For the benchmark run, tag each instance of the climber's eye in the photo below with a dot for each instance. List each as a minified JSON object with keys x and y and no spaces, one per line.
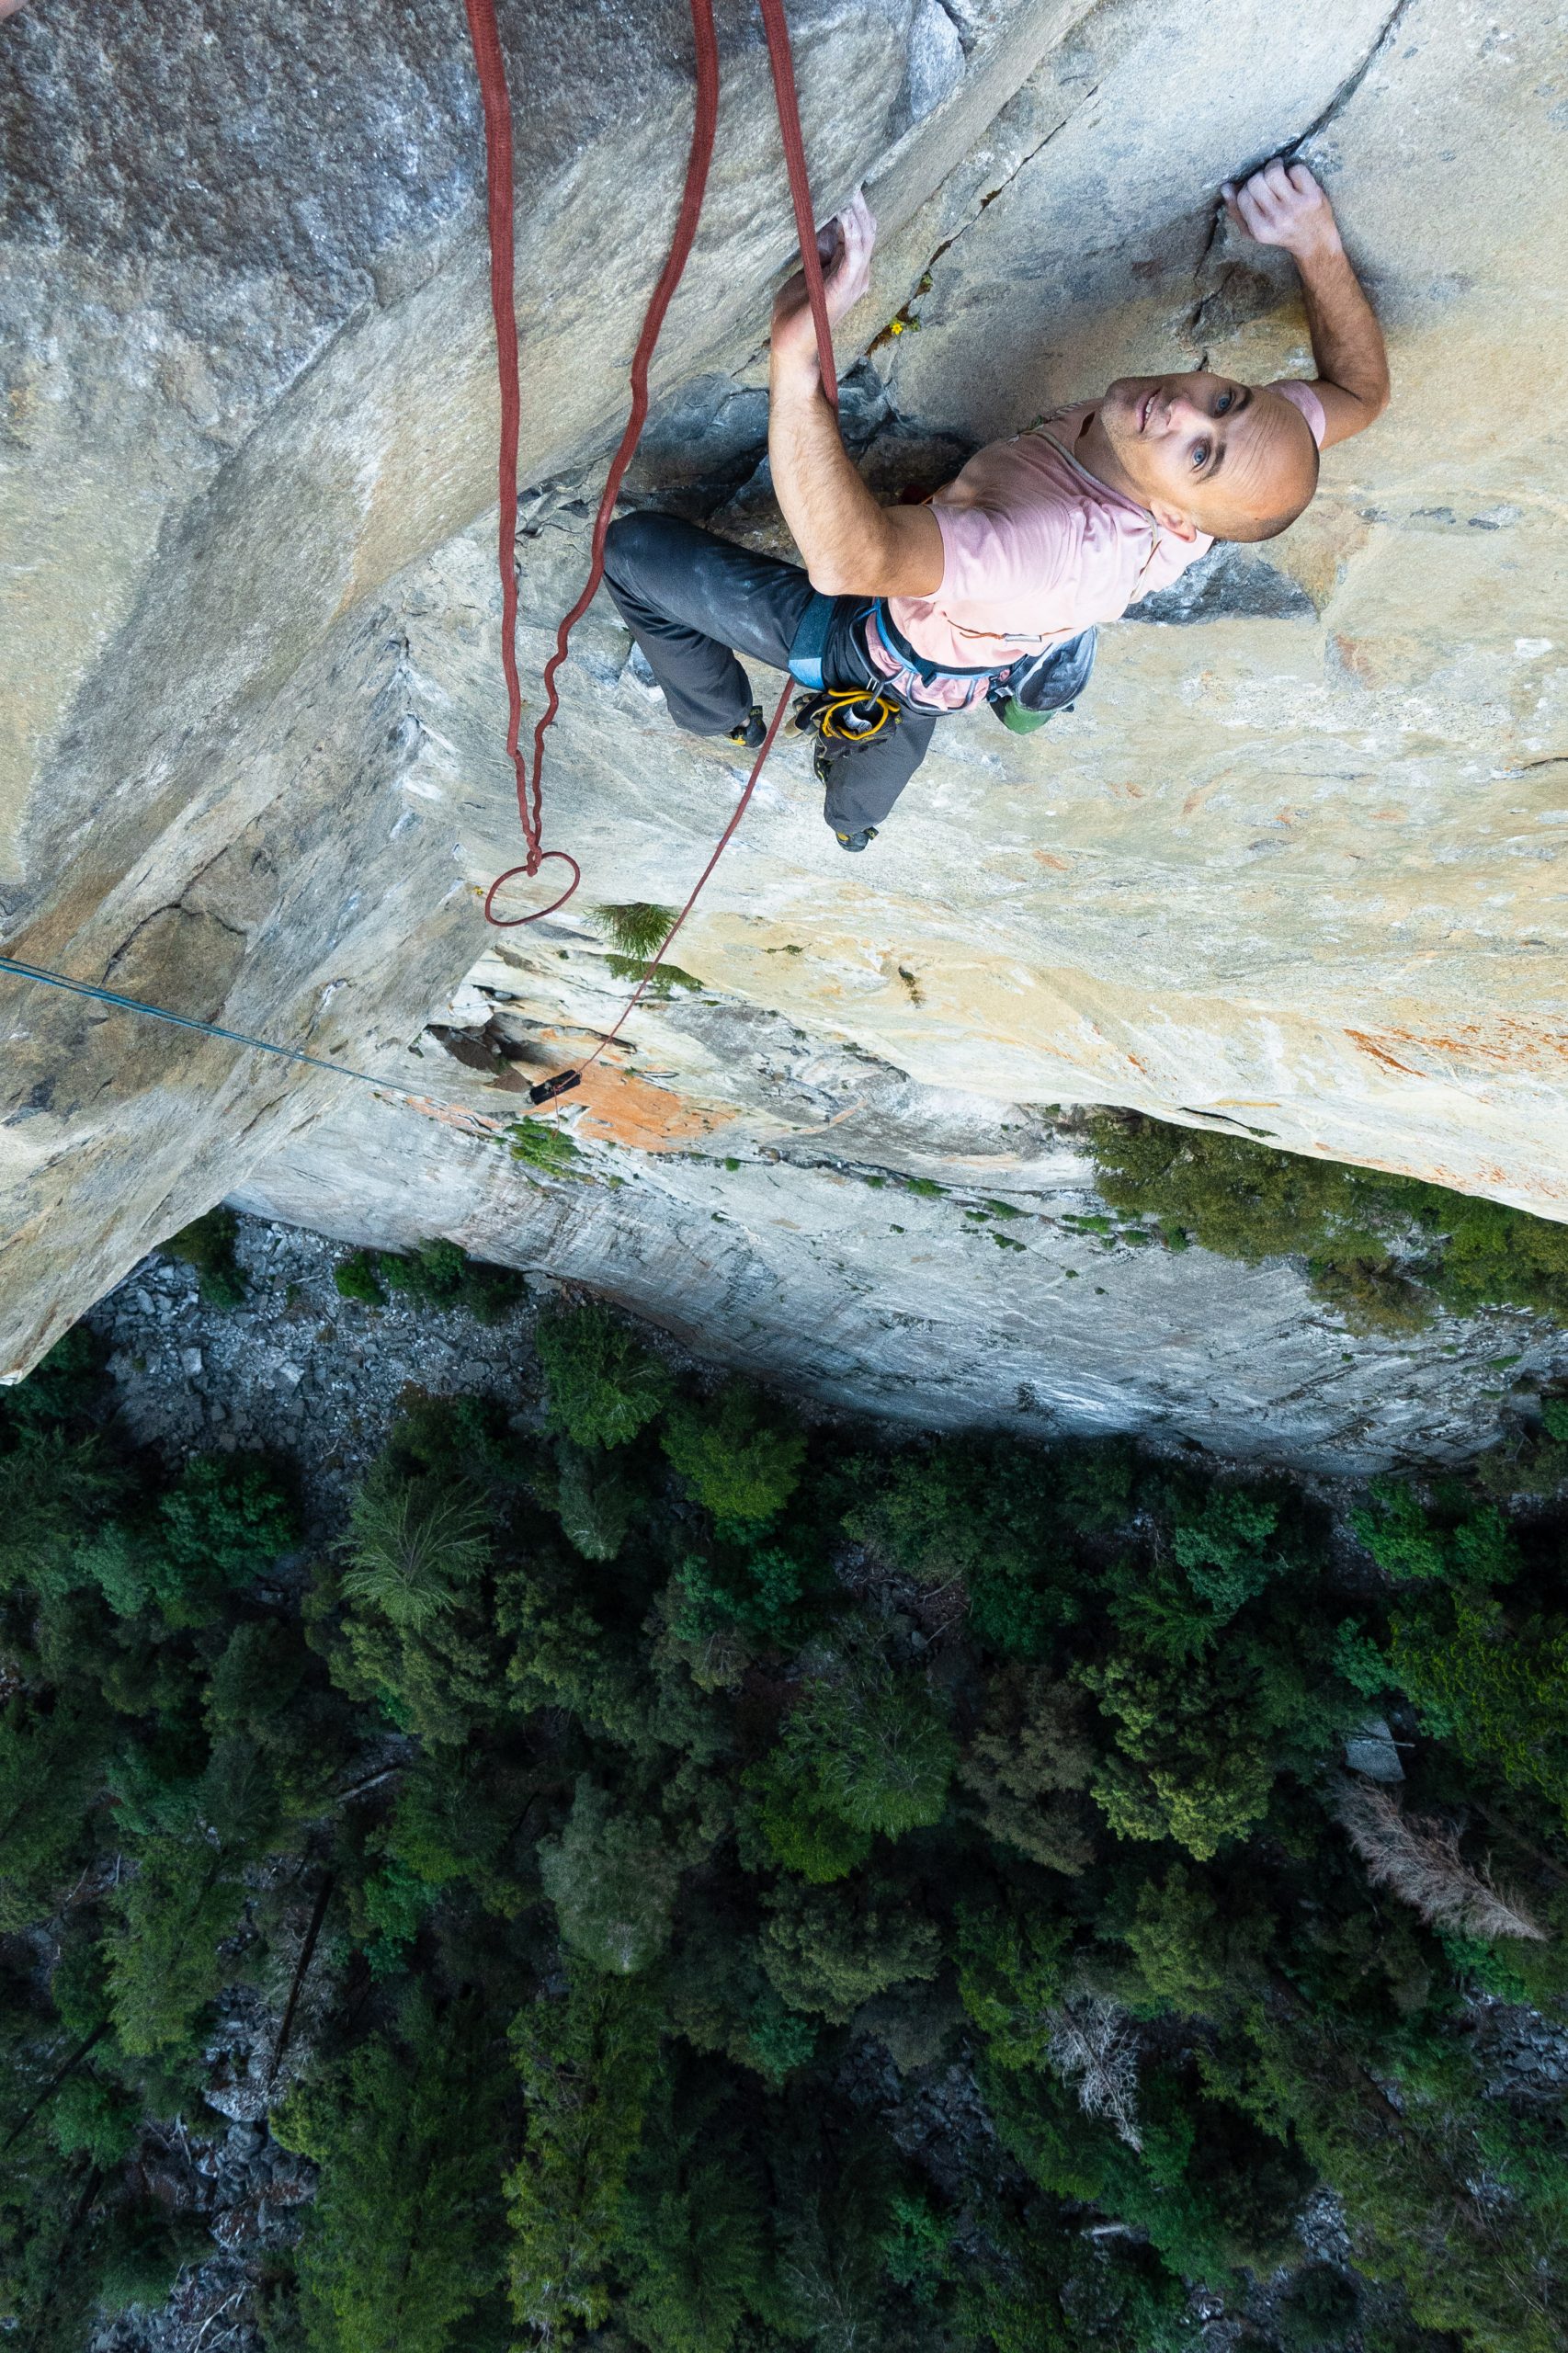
{"x":1200,"y":451}
{"x":1225,"y":401}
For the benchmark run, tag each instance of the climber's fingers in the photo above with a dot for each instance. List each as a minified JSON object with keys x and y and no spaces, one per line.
{"x":9,"y":7}
{"x":844,"y":248}
{"x":851,"y":272}
{"x":1280,"y":205}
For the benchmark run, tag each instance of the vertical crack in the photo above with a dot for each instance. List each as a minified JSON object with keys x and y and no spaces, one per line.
{"x":1348,"y":87}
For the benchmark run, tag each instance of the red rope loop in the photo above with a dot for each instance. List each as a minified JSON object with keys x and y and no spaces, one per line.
{"x":510,"y":922}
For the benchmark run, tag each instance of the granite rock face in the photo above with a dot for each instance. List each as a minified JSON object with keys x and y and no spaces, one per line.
{"x":1290,"y":866}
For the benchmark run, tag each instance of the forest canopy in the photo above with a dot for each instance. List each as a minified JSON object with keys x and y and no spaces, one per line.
{"x":700,"y":1882}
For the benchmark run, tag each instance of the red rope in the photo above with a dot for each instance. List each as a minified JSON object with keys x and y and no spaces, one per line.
{"x":742,"y":805}
{"x":776,"y":26}
{"x":492,"y":71}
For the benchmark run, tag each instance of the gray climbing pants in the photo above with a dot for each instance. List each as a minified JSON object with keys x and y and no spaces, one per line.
{"x":692,"y":601}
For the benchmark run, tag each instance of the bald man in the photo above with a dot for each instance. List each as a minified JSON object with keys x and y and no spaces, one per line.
{"x":992,"y":592}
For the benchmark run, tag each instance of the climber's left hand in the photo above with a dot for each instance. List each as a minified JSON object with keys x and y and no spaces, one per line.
{"x":845,"y":248}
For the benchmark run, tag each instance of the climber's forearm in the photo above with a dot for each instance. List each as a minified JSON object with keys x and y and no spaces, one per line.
{"x":850,"y":546}
{"x":1348,"y":343}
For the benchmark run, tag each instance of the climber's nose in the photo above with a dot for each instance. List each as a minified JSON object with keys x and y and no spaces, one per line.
{"x":1175,"y":410}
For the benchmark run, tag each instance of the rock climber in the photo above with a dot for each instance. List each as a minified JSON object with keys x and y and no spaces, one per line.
{"x":995,"y":588}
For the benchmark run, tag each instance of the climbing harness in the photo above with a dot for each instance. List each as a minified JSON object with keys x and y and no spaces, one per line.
{"x":450,"y":1114}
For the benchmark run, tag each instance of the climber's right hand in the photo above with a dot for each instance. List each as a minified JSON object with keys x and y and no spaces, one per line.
{"x":844,"y":248}
{"x":1283,"y":205}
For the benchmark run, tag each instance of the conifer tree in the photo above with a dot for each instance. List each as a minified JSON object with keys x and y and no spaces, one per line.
{"x":587,"y":2059}
{"x":402,"y":2243}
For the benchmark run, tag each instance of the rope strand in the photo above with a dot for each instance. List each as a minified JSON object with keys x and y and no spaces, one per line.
{"x":491,"y":67}
{"x":776,"y":26}
{"x":451,"y":1114}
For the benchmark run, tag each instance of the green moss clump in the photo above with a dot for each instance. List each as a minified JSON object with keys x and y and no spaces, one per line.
{"x":208,"y":1244}
{"x":540,"y":1144}
{"x":1386,"y":1251}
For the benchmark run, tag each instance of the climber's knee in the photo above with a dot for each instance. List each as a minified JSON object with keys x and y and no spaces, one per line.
{"x":632,"y":543}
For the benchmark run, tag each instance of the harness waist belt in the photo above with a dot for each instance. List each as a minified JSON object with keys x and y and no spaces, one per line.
{"x":810,"y":641}
{"x":927,"y":672}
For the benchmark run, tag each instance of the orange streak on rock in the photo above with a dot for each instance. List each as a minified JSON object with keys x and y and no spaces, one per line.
{"x":1379,"y":1054}
{"x":617,"y":1106}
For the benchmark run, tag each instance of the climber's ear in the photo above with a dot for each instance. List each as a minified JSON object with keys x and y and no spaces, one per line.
{"x":1172,"y":522}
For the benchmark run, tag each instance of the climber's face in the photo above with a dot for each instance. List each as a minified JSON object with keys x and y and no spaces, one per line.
{"x":1204,"y":453}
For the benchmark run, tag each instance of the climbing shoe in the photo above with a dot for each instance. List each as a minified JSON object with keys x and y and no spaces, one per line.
{"x":752,"y":732}
{"x":867,"y":835}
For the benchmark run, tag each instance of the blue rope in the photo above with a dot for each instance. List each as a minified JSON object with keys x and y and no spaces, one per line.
{"x":208,"y":1028}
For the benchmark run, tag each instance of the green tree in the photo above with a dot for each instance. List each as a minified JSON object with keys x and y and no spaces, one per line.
{"x":736,"y":1456}
{"x":402,"y":2243}
{"x":1029,"y":1759}
{"x":830,"y":1952}
{"x":414,"y":1546}
{"x":51,"y":1768}
{"x":53,"y":1486}
{"x":594,"y":1501}
{"x":586,"y":2062}
{"x":409,"y":1622}
{"x":859,"y":1752}
{"x":1491,"y":1679}
{"x":693,"y":2243}
{"x":1190,"y":1763}
{"x":605,"y":1385}
{"x":165,"y":1964}
{"x":998,"y":1520}
{"x":1013,"y":1975}
{"x":612,"y":1879}
{"x":1418,"y":1542}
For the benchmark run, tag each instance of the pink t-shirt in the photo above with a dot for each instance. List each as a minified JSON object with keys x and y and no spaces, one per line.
{"x":1035,"y":549}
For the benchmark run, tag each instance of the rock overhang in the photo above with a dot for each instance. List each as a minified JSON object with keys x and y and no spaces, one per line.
{"x":1292,"y":866}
